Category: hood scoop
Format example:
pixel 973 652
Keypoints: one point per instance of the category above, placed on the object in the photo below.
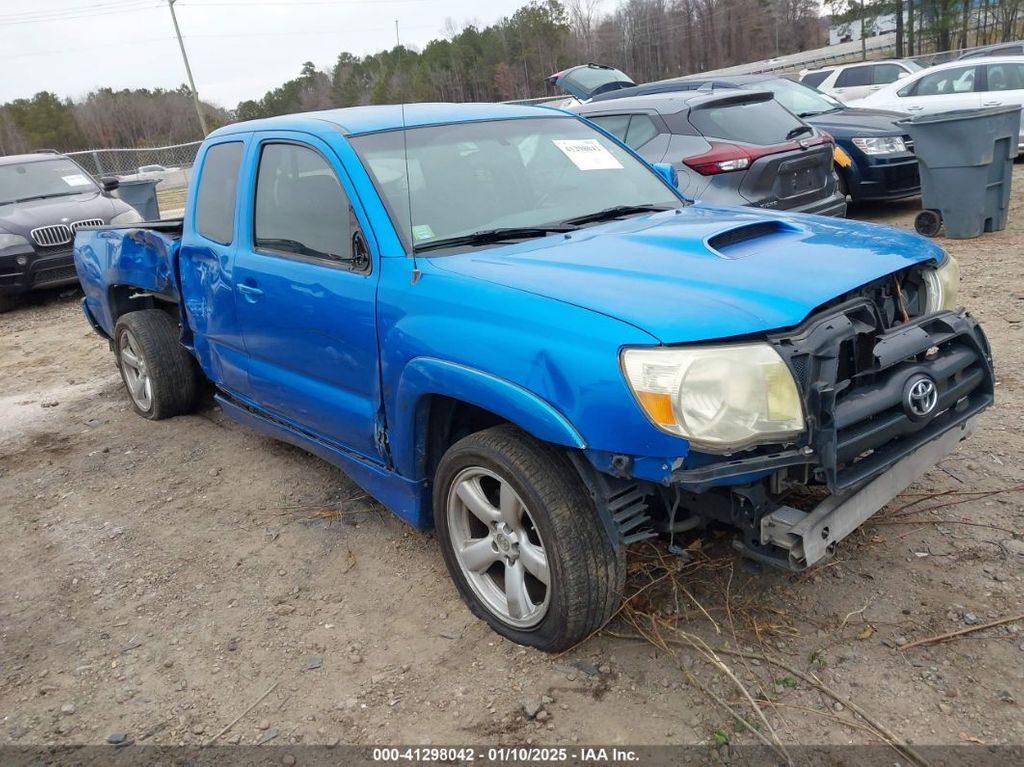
pixel 747 239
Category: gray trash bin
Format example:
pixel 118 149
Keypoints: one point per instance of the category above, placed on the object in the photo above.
pixel 966 161
pixel 141 195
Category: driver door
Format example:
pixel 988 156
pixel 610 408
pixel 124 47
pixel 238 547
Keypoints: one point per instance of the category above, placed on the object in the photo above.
pixel 305 293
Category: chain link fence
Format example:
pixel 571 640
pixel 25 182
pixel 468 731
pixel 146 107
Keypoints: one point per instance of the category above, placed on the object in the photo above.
pixel 169 166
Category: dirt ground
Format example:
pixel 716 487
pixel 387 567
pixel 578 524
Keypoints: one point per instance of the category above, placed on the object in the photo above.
pixel 159 578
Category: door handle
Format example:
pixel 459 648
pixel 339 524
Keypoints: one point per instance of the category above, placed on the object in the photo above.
pixel 914 109
pixel 251 292
pixel 991 103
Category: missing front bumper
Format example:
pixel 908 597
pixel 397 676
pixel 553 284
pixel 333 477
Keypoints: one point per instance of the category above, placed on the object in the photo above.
pixel 809 537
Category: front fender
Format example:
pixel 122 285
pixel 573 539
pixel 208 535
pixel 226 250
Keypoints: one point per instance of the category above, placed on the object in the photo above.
pixel 424 376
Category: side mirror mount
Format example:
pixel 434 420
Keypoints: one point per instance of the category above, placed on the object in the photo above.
pixel 901 74
pixel 109 183
pixel 668 172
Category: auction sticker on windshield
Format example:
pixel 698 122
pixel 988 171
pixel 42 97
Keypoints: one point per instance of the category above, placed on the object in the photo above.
pixel 76 180
pixel 587 154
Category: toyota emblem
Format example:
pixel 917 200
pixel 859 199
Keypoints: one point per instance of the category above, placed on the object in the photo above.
pixel 920 396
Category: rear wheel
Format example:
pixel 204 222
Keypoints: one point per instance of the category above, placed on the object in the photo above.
pixel 158 373
pixel 522 540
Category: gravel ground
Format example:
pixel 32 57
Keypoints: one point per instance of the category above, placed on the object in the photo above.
pixel 161 577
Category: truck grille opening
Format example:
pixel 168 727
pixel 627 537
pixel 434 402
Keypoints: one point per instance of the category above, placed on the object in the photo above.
pixel 875 389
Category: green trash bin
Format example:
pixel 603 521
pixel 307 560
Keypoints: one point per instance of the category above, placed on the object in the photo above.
pixel 966 162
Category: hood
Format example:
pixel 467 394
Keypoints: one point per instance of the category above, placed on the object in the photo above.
pixel 704 273
pixel 850 122
pixel 22 217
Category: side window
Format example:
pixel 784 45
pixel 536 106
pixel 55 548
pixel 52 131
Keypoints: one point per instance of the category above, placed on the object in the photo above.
pixel 854 76
pixel 959 80
pixel 642 129
pixel 218 187
pixel 883 74
pixel 614 124
pixel 814 79
pixel 301 207
pixel 1005 77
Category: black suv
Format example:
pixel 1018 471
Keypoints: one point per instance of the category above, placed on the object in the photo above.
pixel 44 197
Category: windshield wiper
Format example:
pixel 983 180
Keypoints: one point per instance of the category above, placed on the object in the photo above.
pixel 616 211
pixel 816 114
pixel 488 236
pixel 46 196
pixel 799 131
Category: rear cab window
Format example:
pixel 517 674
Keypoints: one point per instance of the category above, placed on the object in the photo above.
pixel 218 189
pixel 762 123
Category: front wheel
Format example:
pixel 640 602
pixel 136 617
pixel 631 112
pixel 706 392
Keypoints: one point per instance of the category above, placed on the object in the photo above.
pixel 522 540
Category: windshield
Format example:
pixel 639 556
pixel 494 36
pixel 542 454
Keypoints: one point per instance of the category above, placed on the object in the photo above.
pixel 800 99
pixel 478 176
pixel 46 178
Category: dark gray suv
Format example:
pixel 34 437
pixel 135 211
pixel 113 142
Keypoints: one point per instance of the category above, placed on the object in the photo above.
pixel 44 197
pixel 729 147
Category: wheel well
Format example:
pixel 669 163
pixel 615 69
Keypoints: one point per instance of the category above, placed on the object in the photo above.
pixel 125 298
pixel 448 420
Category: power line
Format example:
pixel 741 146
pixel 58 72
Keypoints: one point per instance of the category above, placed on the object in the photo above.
pixel 12 21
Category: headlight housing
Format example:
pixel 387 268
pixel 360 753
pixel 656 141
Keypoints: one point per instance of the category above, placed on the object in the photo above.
pixel 8 240
pixel 942 285
pixel 720 398
pixel 130 216
pixel 880 145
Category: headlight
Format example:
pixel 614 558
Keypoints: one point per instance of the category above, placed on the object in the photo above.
pixel 942 285
pixel 720 398
pixel 11 240
pixel 130 216
pixel 883 145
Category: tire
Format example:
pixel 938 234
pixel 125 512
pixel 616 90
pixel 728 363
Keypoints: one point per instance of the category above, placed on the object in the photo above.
pixel 586 570
pixel 843 185
pixel 163 384
pixel 7 303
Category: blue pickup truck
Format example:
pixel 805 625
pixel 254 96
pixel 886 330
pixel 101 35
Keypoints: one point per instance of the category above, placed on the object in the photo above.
pixel 504 325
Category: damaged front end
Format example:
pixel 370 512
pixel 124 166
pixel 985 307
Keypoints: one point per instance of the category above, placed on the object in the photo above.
pixel 888 386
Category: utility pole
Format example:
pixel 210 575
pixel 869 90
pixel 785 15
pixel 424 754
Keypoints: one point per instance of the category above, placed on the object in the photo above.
pixel 188 69
pixel 863 39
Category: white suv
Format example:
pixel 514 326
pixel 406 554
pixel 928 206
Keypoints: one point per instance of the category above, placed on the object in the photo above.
pixel 855 81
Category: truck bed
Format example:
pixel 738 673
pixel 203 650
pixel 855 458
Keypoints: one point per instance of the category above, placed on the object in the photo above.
pixel 114 262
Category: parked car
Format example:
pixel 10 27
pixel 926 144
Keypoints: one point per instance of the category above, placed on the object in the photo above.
pixel 969 84
pixel 504 324
pixel 855 81
pixel 876 160
pixel 729 148
pixel 44 199
pixel 1000 49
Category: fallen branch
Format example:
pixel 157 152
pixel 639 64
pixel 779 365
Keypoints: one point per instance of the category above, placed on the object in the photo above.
pixel 961 632
pixel 238 718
